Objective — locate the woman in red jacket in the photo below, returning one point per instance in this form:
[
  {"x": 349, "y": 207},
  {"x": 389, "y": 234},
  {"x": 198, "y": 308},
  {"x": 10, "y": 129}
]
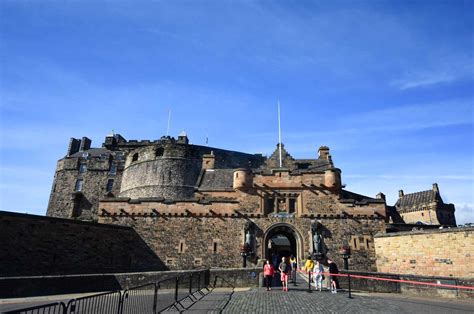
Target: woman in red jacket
[{"x": 268, "y": 272}]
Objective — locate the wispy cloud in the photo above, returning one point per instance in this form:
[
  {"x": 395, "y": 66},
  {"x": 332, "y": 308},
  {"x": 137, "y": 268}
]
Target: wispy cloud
[
  {"x": 465, "y": 213},
  {"x": 440, "y": 74}
]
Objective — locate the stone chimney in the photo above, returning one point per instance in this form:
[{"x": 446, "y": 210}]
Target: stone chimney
[
  {"x": 400, "y": 194},
  {"x": 435, "y": 188},
  {"x": 380, "y": 196},
  {"x": 74, "y": 145},
  {"x": 85, "y": 144},
  {"x": 183, "y": 138},
  {"x": 208, "y": 161},
  {"x": 323, "y": 152}
]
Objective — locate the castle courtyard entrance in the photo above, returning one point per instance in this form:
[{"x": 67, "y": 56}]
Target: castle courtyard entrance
[{"x": 282, "y": 240}]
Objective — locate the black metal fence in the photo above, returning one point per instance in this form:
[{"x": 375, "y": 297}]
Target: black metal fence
[{"x": 149, "y": 298}]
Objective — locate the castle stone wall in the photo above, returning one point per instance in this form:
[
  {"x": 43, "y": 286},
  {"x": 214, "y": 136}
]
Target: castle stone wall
[
  {"x": 36, "y": 245},
  {"x": 188, "y": 242},
  {"x": 445, "y": 252},
  {"x": 66, "y": 202}
]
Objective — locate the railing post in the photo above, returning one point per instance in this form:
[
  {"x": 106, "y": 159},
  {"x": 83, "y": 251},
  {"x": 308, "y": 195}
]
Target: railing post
[
  {"x": 64, "y": 306},
  {"x": 309, "y": 282},
  {"x": 191, "y": 284},
  {"x": 123, "y": 296},
  {"x": 155, "y": 298},
  {"x": 176, "y": 290},
  {"x": 349, "y": 279}
]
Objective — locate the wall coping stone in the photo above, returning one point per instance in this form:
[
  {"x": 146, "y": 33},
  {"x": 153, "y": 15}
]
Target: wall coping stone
[
  {"x": 424, "y": 232},
  {"x": 62, "y": 220},
  {"x": 407, "y": 276}
]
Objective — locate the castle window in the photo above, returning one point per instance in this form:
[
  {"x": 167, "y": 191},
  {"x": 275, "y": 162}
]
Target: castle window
[
  {"x": 181, "y": 247},
  {"x": 270, "y": 204},
  {"x": 135, "y": 157},
  {"x": 113, "y": 169},
  {"x": 82, "y": 168},
  {"x": 214, "y": 247},
  {"x": 293, "y": 205},
  {"x": 79, "y": 185},
  {"x": 110, "y": 185},
  {"x": 159, "y": 152},
  {"x": 303, "y": 166},
  {"x": 354, "y": 243},
  {"x": 198, "y": 262}
]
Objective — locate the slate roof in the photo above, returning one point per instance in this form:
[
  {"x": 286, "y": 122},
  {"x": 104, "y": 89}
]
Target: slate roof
[
  {"x": 359, "y": 198},
  {"x": 416, "y": 199},
  {"x": 217, "y": 180},
  {"x": 93, "y": 152}
]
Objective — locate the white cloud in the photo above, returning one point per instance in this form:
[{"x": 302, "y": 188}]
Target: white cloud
[
  {"x": 464, "y": 213},
  {"x": 439, "y": 74}
]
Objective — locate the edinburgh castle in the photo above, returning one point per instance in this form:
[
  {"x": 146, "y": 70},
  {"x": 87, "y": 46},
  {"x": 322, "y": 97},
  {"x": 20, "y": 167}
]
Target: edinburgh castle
[{"x": 198, "y": 206}]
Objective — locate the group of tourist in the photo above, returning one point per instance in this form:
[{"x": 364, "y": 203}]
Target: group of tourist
[{"x": 314, "y": 268}]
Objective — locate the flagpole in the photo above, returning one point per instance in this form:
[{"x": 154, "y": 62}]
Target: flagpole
[
  {"x": 279, "y": 132},
  {"x": 169, "y": 122}
]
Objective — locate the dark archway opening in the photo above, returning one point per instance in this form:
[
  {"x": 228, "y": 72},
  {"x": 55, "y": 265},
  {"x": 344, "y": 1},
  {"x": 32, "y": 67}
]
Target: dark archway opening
[{"x": 280, "y": 242}]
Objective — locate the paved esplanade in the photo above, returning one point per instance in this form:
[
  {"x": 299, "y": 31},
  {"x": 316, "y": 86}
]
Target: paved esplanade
[{"x": 298, "y": 300}]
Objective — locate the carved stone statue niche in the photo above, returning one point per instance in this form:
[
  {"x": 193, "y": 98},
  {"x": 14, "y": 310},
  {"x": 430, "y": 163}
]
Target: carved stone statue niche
[
  {"x": 318, "y": 239},
  {"x": 249, "y": 236}
]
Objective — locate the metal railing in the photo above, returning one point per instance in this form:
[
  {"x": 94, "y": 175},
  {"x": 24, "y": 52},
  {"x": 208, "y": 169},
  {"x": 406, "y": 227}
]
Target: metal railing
[{"x": 149, "y": 298}]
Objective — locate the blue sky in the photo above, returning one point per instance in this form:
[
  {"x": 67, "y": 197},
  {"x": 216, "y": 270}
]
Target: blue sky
[{"x": 387, "y": 85}]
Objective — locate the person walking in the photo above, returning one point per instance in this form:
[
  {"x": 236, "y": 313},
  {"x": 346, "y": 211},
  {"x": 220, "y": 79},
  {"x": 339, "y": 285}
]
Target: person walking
[
  {"x": 294, "y": 268},
  {"x": 284, "y": 269},
  {"x": 318, "y": 275},
  {"x": 309, "y": 265},
  {"x": 333, "y": 272},
  {"x": 268, "y": 272}
]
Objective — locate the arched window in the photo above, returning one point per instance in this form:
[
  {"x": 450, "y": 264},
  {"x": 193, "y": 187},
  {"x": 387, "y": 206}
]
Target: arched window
[{"x": 135, "y": 157}]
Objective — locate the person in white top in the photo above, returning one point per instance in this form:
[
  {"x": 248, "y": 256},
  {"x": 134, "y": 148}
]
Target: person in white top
[{"x": 318, "y": 272}]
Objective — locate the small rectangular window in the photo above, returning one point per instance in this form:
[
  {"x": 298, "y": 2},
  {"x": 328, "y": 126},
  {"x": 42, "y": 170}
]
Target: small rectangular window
[
  {"x": 214, "y": 248},
  {"x": 119, "y": 156},
  {"x": 181, "y": 247},
  {"x": 79, "y": 184},
  {"x": 82, "y": 168},
  {"x": 113, "y": 169},
  {"x": 293, "y": 204},
  {"x": 110, "y": 185}
]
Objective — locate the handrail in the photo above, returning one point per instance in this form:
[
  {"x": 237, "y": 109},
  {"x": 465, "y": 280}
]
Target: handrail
[{"x": 108, "y": 300}]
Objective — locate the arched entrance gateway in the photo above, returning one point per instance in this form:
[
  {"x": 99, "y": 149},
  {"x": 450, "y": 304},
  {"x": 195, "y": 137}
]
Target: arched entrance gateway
[{"x": 281, "y": 240}]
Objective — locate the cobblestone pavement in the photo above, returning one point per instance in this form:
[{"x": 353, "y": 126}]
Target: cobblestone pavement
[{"x": 298, "y": 300}]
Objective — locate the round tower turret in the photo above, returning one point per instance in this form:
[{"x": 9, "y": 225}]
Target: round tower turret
[
  {"x": 332, "y": 178},
  {"x": 165, "y": 170},
  {"x": 243, "y": 179}
]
